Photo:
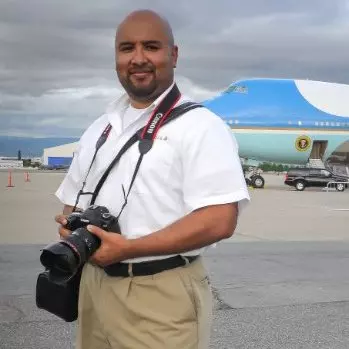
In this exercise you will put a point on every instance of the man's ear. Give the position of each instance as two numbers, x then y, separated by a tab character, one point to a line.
175	55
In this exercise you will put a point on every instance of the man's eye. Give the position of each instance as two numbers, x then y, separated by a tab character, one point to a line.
126	48
152	47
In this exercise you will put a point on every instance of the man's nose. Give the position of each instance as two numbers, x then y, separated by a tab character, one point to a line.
139	56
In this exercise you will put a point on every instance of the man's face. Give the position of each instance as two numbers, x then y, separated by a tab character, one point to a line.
144	58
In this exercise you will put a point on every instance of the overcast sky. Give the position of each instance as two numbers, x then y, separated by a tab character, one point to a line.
57	57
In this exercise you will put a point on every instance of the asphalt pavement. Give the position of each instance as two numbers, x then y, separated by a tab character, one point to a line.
268	295
282	281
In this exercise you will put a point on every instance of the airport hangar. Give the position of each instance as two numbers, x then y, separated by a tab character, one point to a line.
61	155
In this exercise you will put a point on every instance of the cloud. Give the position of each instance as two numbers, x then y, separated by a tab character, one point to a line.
57	60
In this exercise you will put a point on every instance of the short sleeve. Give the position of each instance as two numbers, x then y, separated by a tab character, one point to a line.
71	184
212	171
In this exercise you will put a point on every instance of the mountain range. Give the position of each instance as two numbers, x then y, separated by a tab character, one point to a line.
29	147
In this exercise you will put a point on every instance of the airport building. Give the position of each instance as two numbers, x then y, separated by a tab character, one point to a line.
61	155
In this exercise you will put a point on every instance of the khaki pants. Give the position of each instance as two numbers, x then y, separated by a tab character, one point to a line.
168	310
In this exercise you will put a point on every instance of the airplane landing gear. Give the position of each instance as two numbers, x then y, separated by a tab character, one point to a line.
254	179
257	181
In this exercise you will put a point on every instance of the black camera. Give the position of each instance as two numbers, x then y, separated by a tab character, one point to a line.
64	258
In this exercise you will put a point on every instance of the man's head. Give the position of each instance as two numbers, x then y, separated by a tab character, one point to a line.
145	55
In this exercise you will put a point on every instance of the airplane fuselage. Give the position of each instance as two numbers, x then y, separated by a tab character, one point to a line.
282	120
285	146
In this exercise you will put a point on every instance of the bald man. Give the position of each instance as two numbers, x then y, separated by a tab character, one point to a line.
145	57
186	197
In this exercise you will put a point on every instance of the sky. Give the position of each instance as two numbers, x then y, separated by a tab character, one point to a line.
57	57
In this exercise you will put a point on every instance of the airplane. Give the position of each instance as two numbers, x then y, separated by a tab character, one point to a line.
288	121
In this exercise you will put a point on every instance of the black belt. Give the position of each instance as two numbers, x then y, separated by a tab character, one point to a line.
148	268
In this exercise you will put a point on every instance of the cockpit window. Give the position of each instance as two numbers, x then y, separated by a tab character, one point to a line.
236	89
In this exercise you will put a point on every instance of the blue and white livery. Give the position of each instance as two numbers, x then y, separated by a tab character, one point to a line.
285	120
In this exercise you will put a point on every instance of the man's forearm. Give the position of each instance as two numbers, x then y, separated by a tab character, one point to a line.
67	210
198	229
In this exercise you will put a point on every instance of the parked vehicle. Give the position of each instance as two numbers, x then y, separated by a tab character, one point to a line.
300	178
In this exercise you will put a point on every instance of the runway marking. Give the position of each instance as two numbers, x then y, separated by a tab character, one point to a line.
321	207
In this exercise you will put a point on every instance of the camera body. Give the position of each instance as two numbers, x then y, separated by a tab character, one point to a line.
64	258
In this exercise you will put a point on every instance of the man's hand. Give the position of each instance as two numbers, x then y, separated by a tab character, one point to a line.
61	219
113	249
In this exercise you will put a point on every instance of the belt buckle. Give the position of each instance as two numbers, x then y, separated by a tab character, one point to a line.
130	269
186	260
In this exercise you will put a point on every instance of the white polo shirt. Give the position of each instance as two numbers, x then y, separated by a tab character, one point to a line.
193	163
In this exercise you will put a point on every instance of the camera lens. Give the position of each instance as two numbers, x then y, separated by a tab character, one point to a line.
63	258
59	256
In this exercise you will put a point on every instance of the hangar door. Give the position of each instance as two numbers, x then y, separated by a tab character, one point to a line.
59	160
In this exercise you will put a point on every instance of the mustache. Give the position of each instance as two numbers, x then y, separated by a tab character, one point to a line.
135	70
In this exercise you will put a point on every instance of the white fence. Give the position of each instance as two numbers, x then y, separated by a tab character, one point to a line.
11	163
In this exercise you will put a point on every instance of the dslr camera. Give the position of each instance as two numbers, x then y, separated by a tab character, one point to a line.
58	287
63	259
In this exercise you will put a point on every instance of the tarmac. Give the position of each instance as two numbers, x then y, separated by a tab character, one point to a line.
281	281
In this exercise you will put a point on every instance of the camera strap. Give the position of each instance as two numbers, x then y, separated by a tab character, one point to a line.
164	113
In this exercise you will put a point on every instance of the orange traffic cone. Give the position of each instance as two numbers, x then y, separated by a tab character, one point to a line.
26	177
9	181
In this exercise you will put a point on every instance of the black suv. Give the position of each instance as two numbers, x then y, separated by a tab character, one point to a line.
300	178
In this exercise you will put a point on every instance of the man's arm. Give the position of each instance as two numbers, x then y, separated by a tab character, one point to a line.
200	228
67	210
